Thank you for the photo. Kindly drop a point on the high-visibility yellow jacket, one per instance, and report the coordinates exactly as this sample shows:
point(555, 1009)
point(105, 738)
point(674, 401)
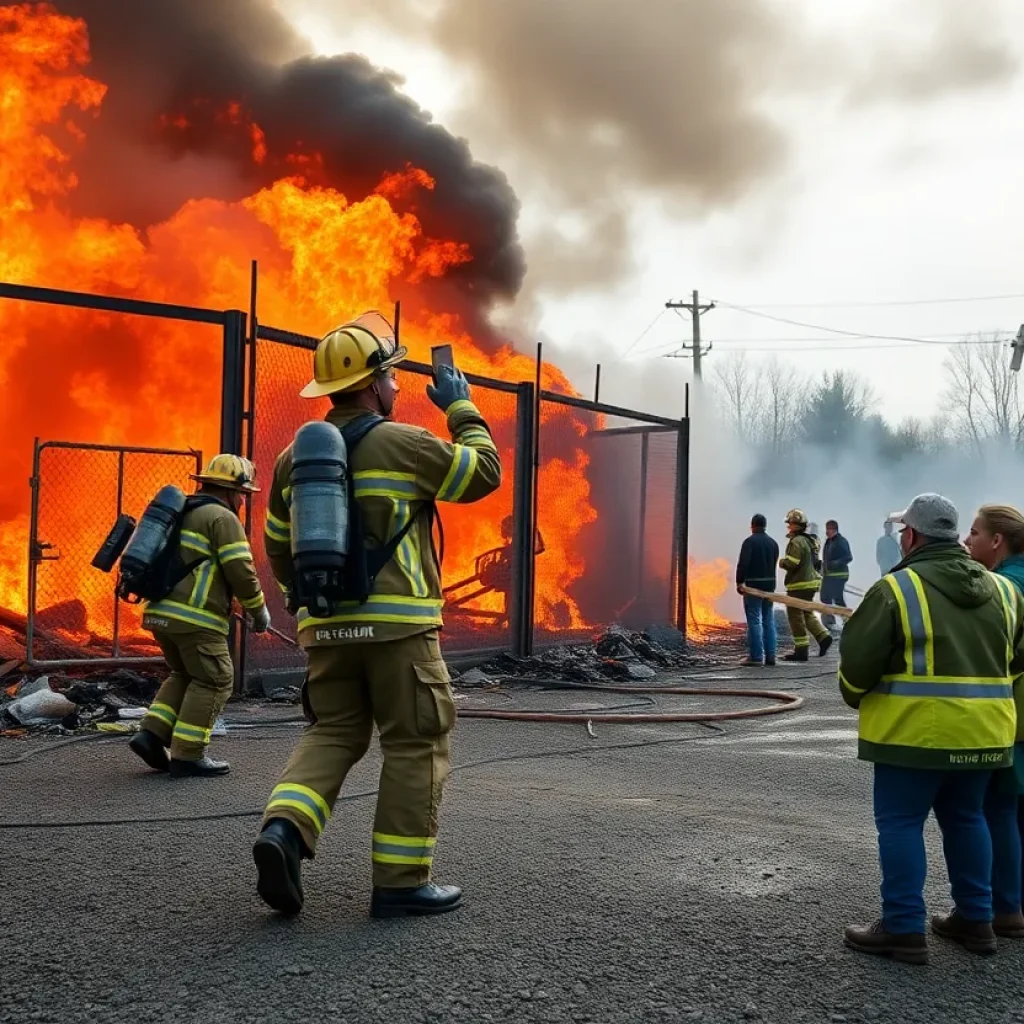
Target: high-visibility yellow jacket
point(202, 600)
point(931, 657)
point(395, 469)
point(798, 562)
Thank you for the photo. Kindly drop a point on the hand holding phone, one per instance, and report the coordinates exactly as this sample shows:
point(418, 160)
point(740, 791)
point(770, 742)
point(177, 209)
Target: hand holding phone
point(441, 355)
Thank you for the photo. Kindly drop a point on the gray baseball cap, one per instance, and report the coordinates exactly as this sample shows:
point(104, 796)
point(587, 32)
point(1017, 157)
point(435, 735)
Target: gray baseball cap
point(931, 515)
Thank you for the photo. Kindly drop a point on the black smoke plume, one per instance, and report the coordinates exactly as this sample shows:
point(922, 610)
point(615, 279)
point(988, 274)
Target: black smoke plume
point(166, 57)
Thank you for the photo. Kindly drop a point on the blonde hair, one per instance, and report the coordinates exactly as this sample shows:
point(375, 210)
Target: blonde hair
point(1007, 521)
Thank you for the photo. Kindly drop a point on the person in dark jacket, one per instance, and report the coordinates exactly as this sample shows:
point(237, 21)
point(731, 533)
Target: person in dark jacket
point(835, 562)
point(756, 568)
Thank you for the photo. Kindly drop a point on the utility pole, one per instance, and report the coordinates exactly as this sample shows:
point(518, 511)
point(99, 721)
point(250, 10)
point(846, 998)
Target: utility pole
point(696, 311)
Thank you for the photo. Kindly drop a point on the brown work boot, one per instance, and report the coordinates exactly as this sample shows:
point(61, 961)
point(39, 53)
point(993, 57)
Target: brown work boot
point(874, 939)
point(751, 663)
point(1009, 926)
point(974, 936)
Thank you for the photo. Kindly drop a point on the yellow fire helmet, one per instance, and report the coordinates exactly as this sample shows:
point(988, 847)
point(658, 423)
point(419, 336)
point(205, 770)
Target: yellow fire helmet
point(797, 517)
point(348, 357)
point(231, 472)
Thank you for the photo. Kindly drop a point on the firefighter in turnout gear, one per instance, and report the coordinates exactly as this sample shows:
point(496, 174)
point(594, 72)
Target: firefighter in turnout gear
point(802, 580)
point(191, 623)
point(377, 662)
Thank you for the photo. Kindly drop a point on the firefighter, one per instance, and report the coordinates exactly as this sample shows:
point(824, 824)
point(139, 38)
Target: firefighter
point(191, 624)
point(379, 661)
point(802, 581)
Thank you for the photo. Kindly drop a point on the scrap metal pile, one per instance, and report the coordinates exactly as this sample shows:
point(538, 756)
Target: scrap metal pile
point(617, 655)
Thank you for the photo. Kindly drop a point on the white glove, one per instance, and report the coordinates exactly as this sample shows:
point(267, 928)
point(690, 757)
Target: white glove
point(260, 620)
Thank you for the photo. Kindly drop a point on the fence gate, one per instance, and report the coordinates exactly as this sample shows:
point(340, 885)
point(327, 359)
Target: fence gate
point(78, 490)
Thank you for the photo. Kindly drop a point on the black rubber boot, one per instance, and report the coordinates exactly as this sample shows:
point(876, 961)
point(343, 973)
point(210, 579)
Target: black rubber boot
point(148, 746)
point(205, 767)
point(278, 856)
point(769, 662)
point(425, 899)
point(823, 645)
point(800, 654)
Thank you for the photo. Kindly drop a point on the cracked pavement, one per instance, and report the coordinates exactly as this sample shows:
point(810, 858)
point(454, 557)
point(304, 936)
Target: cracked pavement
point(703, 880)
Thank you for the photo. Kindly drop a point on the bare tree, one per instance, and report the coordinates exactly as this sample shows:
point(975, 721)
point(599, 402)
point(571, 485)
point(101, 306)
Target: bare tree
point(783, 404)
point(983, 393)
point(740, 395)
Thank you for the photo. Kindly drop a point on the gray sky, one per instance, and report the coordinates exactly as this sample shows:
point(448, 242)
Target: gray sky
point(767, 152)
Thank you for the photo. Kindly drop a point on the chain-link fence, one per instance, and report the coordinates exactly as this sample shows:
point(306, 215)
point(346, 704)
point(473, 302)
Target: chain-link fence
point(610, 517)
point(587, 528)
point(78, 491)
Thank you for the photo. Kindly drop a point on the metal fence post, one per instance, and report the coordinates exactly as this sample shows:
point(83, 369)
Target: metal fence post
point(681, 532)
point(645, 450)
point(232, 420)
point(33, 555)
point(524, 526)
point(232, 396)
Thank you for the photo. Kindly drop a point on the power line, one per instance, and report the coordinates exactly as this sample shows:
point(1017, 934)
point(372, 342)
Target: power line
point(866, 348)
point(893, 302)
point(830, 330)
point(959, 336)
point(643, 334)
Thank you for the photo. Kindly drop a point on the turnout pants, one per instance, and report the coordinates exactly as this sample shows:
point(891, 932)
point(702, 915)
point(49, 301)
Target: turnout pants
point(403, 687)
point(194, 694)
point(803, 622)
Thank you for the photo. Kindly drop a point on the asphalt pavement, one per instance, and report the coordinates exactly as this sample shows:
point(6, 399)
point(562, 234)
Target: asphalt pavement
point(613, 877)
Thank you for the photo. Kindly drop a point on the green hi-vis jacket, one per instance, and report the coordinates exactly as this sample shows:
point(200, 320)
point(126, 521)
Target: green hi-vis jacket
point(395, 468)
point(202, 600)
point(798, 563)
point(931, 657)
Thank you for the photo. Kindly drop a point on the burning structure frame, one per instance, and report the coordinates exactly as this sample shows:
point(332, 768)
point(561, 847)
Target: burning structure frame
point(246, 344)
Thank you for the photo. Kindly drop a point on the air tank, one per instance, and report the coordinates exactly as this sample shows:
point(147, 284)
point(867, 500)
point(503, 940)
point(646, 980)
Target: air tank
point(153, 532)
point(319, 515)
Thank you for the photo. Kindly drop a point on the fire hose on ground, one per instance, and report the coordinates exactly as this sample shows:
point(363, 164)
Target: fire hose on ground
point(783, 701)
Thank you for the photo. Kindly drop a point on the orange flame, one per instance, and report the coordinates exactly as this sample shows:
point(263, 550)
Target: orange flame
point(108, 378)
point(706, 583)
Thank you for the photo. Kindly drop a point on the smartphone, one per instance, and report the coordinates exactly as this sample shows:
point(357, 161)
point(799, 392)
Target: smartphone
point(441, 355)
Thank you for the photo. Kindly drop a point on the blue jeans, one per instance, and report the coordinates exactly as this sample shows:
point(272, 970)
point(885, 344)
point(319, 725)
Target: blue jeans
point(903, 798)
point(761, 638)
point(1005, 825)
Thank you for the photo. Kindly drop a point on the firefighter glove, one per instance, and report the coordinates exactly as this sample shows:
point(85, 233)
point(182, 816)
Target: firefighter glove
point(449, 387)
point(261, 620)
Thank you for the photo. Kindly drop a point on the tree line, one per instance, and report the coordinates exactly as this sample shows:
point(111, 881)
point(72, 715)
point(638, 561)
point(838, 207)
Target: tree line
point(778, 412)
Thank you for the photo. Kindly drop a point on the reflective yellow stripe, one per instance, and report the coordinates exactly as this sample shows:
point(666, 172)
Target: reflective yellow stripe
point(252, 602)
point(382, 484)
point(201, 587)
point(926, 615)
point(462, 405)
point(408, 554)
point(379, 608)
point(303, 799)
point(459, 474)
point(196, 541)
point(1006, 592)
point(186, 613)
point(191, 733)
point(233, 552)
point(391, 849)
point(843, 681)
point(277, 529)
point(164, 712)
point(908, 639)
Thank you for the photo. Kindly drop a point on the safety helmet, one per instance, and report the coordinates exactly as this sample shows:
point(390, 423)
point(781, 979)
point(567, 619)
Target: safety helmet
point(231, 472)
point(796, 517)
point(348, 357)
